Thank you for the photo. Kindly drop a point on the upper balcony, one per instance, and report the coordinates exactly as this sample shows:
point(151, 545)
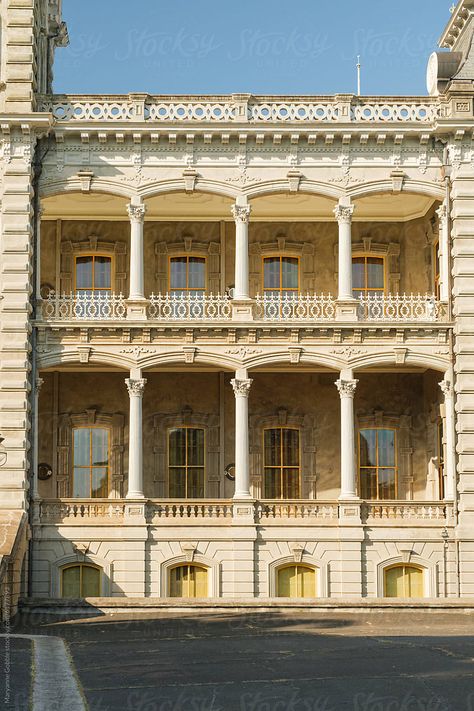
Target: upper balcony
point(243, 108)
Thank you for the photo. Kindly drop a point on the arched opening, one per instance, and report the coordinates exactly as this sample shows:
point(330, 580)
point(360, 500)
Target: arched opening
point(188, 581)
point(296, 581)
point(404, 581)
point(81, 580)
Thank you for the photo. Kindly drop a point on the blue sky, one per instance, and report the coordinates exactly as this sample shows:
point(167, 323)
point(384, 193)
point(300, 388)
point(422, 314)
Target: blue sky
point(251, 46)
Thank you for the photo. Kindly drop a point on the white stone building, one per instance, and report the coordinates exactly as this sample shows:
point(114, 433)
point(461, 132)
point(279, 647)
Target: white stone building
point(237, 336)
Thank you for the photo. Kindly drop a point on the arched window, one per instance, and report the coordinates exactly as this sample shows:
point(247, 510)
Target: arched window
point(281, 463)
point(80, 580)
point(378, 469)
point(186, 463)
point(188, 581)
point(93, 274)
point(368, 275)
point(91, 462)
point(187, 275)
point(403, 581)
point(296, 581)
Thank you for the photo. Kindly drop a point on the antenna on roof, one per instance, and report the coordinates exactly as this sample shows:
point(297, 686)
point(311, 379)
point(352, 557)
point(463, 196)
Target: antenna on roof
point(358, 74)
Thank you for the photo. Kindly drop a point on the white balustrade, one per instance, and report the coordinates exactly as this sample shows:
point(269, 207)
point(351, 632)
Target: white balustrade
point(400, 307)
point(276, 510)
point(162, 510)
point(404, 511)
point(183, 307)
point(89, 307)
point(229, 109)
point(67, 511)
point(273, 307)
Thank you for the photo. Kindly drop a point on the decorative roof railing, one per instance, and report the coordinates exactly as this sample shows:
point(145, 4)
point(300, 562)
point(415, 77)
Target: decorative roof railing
point(242, 109)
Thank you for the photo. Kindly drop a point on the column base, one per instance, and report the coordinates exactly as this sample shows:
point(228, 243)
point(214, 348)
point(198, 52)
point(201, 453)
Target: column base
point(135, 511)
point(243, 511)
point(347, 310)
point(242, 309)
point(137, 309)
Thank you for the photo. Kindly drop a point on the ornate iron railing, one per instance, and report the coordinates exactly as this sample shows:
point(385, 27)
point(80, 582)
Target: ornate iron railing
point(90, 307)
point(299, 307)
point(401, 307)
point(179, 307)
point(241, 108)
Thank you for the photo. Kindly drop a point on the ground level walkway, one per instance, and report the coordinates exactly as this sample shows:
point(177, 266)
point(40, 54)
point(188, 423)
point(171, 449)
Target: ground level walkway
point(246, 660)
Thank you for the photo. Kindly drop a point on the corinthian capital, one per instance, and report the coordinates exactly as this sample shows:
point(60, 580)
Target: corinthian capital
point(241, 387)
point(446, 388)
point(344, 214)
point(346, 388)
point(135, 387)
point(136, 213)
point(241, 213)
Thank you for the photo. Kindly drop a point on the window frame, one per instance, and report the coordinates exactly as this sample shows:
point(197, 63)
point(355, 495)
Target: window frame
point(282, 467)
point(93, 255)
point(365, 256)
point(80, 565)
point(403, 565)
point(436, 269)
point(91, 467)
point(187, 565)
point(203, 467)
point(395, 467)
point(188, 256)
point(281, 256)
point(316, 572)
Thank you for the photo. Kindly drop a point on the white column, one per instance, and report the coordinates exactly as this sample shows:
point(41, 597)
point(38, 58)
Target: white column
point(343, 215)
point(450, 439)
point(135, 387)
point(242, 464)
point(34, 484)
point(442, 213)
point(136, 211)
point(347, 390)
point(241, 215)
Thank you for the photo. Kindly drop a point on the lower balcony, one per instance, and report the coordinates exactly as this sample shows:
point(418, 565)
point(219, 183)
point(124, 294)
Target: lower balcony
point(114, 512)
point(387, 308)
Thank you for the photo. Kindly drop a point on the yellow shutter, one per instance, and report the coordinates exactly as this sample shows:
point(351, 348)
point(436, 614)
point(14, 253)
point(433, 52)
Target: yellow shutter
point(176, 582)
point(307, 578)
point(404, 581)
point(71, 582)
point(296, 581)
point(90, 582)
point(415, 582)
point(285, 580)
point(200, 582)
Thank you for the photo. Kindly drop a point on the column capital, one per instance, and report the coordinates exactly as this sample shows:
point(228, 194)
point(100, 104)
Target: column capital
point(447, 388)
point(344, 214)
point(241, 387)
point(135, 386)
point(39, 382)
point(442, 212)
point(241, 213)
point(136, 213)
point(346, 388)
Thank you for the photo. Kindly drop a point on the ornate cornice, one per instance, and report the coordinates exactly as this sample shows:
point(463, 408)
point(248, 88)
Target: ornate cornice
point(135, 387)
point(346, 388)
point(241, 213)
point(241, 387)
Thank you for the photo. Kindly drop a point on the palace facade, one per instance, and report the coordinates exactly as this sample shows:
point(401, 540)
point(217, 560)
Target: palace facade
point(237, 336)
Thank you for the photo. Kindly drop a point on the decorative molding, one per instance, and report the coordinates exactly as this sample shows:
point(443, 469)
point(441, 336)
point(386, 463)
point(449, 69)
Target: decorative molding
point(243, 352)
point(136, 213)
point(136, 386)
point(349, 352)
point(241, 213)
point(344, 214)
point(137, 351)
point(241, 387)
point(346, 388)
point(447, 388)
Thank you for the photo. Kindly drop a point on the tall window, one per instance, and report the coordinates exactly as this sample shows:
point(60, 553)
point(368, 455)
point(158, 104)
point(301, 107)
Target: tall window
point(186, 463)
point(368, 276)
point(91, 466)
point(80, 581)
point(280, 276)
point(188, 581)
point(440, 447)
point(296, 581)
point(282, 468)
point(436, 270)
point(403, 581)
point(187, 276)
point(378, 464)
point(93, 275)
